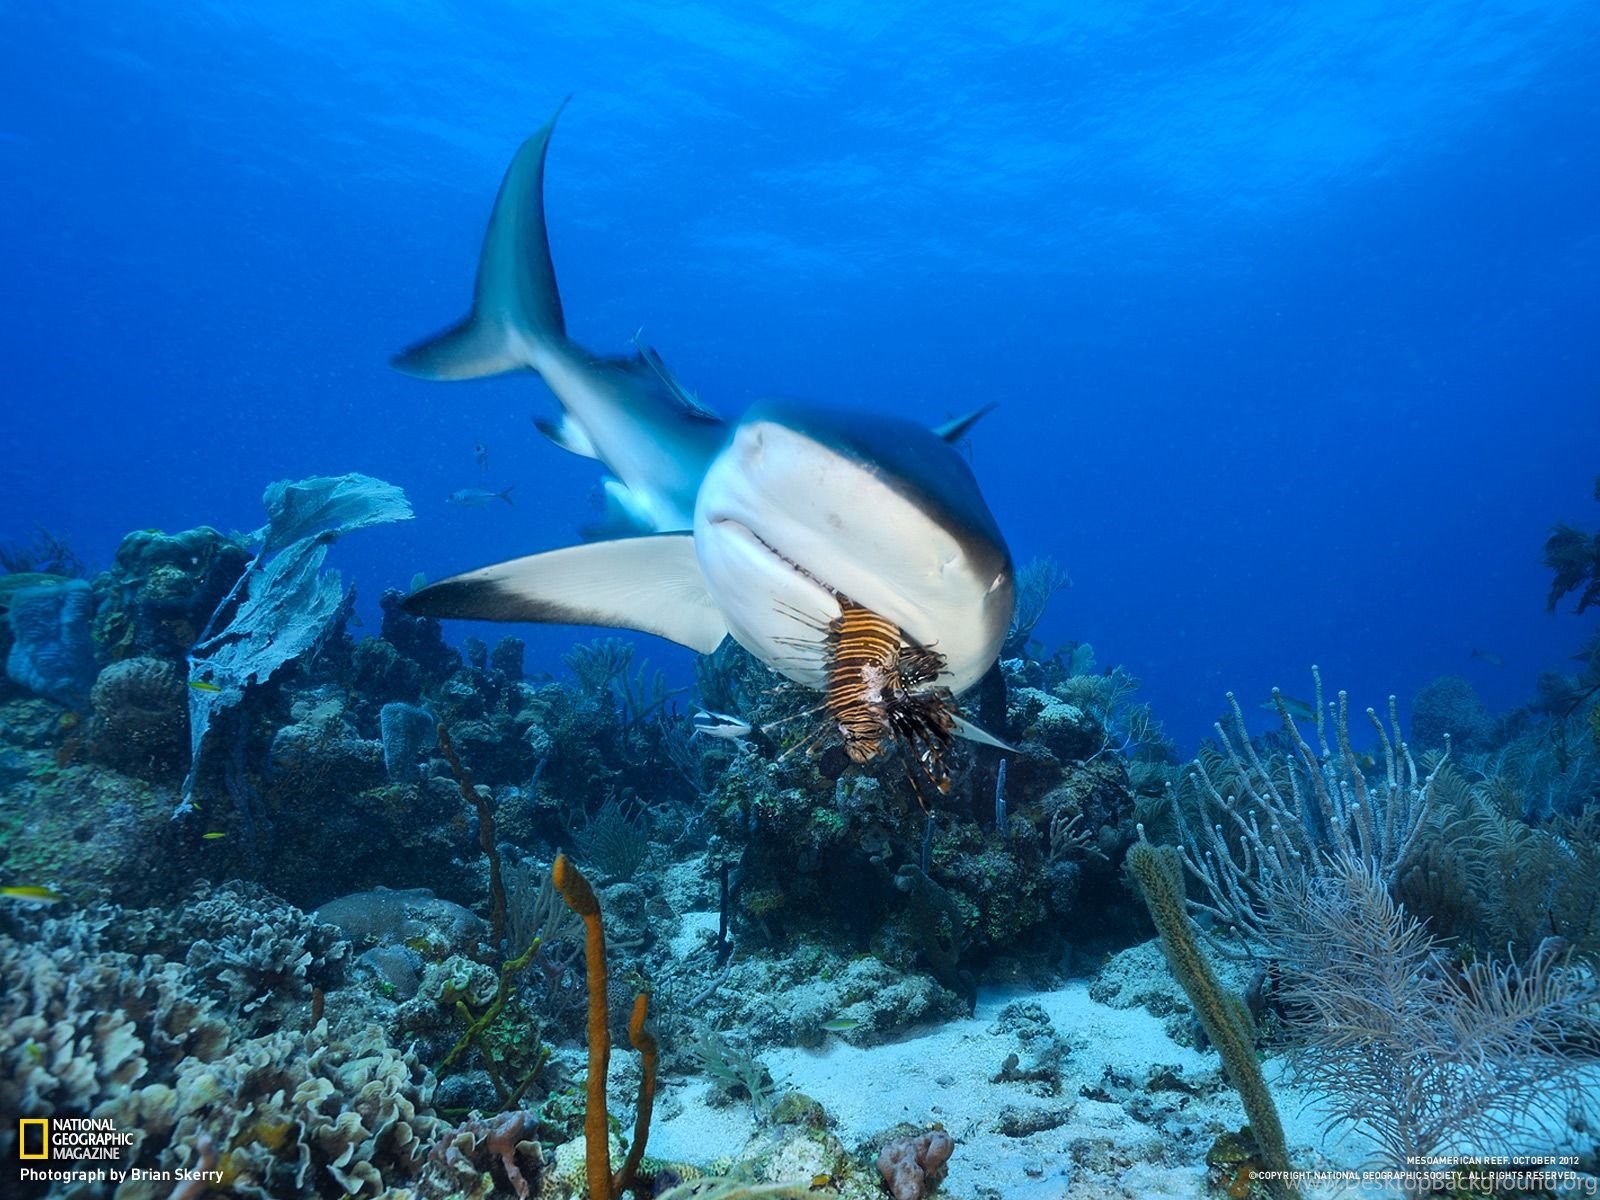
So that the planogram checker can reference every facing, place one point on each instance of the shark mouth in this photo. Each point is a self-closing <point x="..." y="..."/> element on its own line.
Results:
<point x="878" y="683"/>
<point x="737" y="526"/>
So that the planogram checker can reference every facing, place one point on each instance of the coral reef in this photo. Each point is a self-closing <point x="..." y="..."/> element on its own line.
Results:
<point x="427" y="1029"/>
<point x="319" y="757"/>
<point x="81" y="1026"/>
<point x="293" y="1114"/>
<point x="252" y="953"/>
<point x="486" y="1157"/>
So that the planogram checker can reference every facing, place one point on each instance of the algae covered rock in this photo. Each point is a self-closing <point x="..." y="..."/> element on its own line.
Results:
<point x="321" y="756"/>
<point x="162" y="589"/>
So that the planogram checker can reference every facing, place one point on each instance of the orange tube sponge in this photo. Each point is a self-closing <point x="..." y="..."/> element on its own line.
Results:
<point x="645" y="1043"/>
<point x="580" y="898"/>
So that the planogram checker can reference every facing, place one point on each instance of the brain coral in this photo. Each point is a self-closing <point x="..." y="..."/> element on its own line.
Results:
<point x="141" y="717"/>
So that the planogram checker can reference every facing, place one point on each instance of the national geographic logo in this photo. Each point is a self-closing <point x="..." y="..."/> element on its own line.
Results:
<point x="74" y="1139"/>
<point x="69" y="1145"/>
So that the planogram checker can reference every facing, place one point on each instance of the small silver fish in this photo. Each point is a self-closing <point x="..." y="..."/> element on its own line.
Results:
<point x="1489" y="657"/>
<point x="720" y="725"/>
<point x="1300" y="710"/>
<point x="477" y="497"/>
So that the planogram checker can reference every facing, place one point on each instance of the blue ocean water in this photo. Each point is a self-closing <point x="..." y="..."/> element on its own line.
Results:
<point x="1290" y="314"/>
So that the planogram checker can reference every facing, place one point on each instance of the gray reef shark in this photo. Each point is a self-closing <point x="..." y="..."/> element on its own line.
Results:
<point x="852" y="553"/>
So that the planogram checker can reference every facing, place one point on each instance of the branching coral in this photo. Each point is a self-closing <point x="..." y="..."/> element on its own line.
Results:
<point x="615" y="840"/>
<point x="1252" y="823"/>
<point x="1302" y="859"/>
<point x="46" y="553"/>
<point x="1574" y="557"/>
<point x="1038" y="580"/>
<point x="1428" y="1054"/>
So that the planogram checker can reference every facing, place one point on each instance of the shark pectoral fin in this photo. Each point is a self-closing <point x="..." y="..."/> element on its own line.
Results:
<point x="652" y="584"/>
<point x="977" y="733"/>
<point x="516" y="308"/>
<point x="567" y="434"/>
<point x="953" y="431"/>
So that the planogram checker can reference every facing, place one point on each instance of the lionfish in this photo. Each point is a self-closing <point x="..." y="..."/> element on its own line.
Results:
<point x="878" y="695"/>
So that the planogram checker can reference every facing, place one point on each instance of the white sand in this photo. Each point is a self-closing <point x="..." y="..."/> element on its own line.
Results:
<point x="945" y="1074"/>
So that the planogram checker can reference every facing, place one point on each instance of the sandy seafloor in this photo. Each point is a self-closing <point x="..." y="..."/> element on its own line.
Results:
<point x="946" y="1074"/>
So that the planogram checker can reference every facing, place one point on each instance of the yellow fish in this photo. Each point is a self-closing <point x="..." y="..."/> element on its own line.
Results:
<point x="38" y="895"/>
<point x="200" y="685"/>
<point x="211" y="837"/>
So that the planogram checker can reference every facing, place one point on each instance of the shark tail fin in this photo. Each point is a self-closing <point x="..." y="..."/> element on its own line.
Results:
<point x="516" y="307"/>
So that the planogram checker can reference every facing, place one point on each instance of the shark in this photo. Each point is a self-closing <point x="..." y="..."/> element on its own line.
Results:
<point x="791" y="529"/>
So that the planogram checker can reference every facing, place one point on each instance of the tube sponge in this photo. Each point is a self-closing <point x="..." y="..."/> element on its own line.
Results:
<point x="52" y="648"/>
<point x="1158" y="870"/>
<point x="408" y="733"/>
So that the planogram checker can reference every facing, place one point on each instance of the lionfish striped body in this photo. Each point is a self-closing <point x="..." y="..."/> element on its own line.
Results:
<point x="873" y="696"/>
